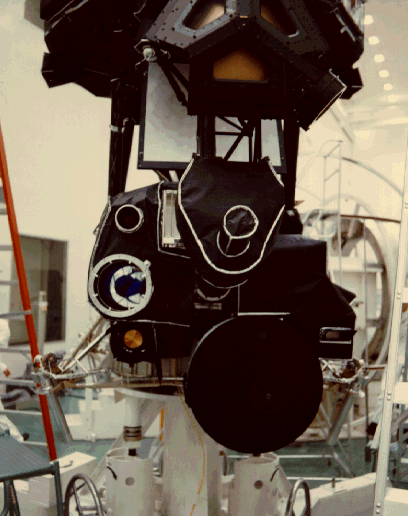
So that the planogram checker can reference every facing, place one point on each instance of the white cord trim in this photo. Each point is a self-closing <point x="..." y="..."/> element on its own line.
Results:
<point x="160" y="322"/>
<point x="100" y="229"/>
<point x="275" y="174"/>
<point x="232" y="237"/>
<point x="213" y="299"/>
<point x="230" y="255"/>
<point x="200" y="245"/>
<point x="138" y="225"/>
<point x="224" y="322"/>
<point x="208" y="333"/>
<point x="94" y="296"/>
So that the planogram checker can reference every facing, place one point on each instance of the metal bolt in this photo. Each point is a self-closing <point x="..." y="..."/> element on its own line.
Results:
<point x="149" y="54"/>
<point x="378" y="504"/>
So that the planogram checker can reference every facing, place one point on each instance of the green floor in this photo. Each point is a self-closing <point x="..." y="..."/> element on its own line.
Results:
<point x="317" y="467"/>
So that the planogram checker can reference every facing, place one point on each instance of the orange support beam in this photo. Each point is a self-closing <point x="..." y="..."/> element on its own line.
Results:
<point x="25" y="295"/>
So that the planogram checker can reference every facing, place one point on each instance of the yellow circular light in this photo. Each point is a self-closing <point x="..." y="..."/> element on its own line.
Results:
<point x="133" y="339"/>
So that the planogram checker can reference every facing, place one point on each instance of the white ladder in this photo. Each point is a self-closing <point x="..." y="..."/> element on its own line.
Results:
<point x="390" y="501"/>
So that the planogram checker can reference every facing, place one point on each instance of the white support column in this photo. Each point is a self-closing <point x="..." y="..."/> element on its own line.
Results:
<point x="183" y="466"/>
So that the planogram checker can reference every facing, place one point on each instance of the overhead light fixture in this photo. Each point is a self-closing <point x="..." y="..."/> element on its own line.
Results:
<point x="379" y="58"/>
<point x="388" y="86"/>
<point x="368" y="19"/>
<point x="403" y="120"/>
<point x="383" y="73"/>
<point x="373" y="40"/>
<point x="400" y="97"/>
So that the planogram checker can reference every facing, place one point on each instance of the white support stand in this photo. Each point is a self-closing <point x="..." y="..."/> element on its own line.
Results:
<point x="183" y="466"/>
<point x="260" y="487"/>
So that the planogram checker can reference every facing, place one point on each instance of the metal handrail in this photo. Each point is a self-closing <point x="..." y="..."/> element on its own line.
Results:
<point x="307" y="511"/>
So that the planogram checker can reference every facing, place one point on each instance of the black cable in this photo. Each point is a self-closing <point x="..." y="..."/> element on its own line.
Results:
<point x="176" y="72"/>
<point x="172" y="81"/>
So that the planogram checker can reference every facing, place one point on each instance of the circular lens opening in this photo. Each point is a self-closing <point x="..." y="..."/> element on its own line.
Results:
<point x="133" y="339"/>
<point x="128" y="218"/>
<point x="122" y="285"/>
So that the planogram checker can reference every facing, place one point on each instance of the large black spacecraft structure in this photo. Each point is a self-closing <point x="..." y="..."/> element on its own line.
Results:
<point x="209" y="266"/>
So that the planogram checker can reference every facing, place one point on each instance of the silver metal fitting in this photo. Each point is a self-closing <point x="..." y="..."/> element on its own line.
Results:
<point x="149" y="54"/>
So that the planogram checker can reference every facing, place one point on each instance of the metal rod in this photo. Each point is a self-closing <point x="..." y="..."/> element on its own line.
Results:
<point x="318" y="479"/>
<point x="123" y="383"/>
<point x="22" y="383"/>
<point x="24" y="292"/>
<point x="83" y="353"/>
<point x="365" y="293"/>
<point x="339" y="217"/>
<point x="246" y="131"/>
<point x="225" y="133"/>
<point x="232" y="124"/>
<point x="318" y="154"/>
<point x="30" y="413"/>
<point x="59" y="416"/>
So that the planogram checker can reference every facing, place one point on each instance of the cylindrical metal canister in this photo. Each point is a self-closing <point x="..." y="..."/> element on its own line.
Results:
<point x="129" y="484"/>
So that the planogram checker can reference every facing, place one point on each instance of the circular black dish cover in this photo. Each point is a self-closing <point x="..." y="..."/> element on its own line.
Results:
<point x="254" y="383"/>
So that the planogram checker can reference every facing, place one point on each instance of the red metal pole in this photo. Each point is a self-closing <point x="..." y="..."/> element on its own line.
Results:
<point x="25" y="296"/>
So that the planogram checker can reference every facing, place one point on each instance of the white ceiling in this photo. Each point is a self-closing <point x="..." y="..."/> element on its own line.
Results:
<point x="373" y="105"/>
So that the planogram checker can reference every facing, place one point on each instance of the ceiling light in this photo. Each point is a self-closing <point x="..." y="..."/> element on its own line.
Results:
<point x="400" y="97"/>
<point x="368" y="20"/>
<point x="379" y="58"/>
<point x="403" y="120"/>
<point x="373" y="40"/>
<point x="383" y="73"/>
<point x="388" y="86"/>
